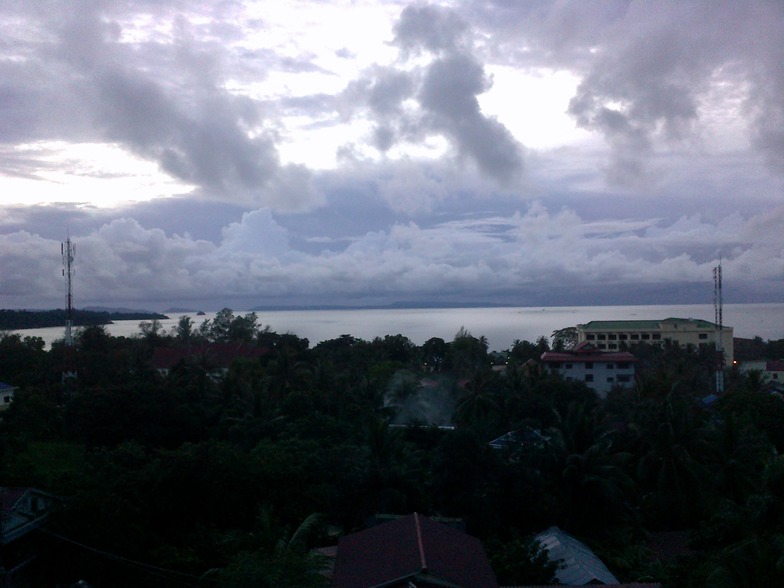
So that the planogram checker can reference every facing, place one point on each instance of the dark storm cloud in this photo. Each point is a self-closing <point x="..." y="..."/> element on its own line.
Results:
<point x="646" y="67"/>
<point x="446" y="91"/>
<point x="164" y="102"/>
<point x="431" y="28"/>
<point x="448" y="94"/>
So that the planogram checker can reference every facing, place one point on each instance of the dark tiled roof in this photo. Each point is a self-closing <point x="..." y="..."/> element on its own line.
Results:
<point x="411" y="548"/>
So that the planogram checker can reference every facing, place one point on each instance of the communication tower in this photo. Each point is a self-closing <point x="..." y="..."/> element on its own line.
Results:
<point x="68" y="251"/>
<point x="719" y="321"/>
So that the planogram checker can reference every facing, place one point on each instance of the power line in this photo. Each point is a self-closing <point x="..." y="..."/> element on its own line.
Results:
<point x="160" y="572"/>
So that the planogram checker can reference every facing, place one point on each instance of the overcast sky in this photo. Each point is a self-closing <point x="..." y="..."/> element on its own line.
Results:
<point x="229" y="153"/>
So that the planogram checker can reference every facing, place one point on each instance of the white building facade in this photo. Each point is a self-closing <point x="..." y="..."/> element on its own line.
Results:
<point x="600" y="370"/>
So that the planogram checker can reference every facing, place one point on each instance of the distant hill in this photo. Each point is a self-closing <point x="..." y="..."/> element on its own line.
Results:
<point x="12" y="320"/>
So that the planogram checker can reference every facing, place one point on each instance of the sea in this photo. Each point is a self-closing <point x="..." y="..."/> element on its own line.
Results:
<point x="501" y="326"/>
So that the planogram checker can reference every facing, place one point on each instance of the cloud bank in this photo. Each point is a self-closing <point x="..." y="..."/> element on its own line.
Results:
<point x="266" y="155"/>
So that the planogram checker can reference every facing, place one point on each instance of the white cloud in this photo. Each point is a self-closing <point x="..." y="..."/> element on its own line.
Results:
<point x="204" y="150"/>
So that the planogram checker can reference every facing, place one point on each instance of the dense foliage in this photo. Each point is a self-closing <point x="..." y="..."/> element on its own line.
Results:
<point x="197" y="480"/>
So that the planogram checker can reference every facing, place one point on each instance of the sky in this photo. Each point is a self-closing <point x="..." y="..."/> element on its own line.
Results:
<point x="243" y="154"/>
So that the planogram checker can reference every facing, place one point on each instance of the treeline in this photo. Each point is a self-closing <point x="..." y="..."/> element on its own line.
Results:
<point x="12" y="320"/>
<point x="201" y="480"/>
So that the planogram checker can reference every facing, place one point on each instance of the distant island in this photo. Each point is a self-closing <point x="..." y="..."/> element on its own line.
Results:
<point x="12" y="320"/>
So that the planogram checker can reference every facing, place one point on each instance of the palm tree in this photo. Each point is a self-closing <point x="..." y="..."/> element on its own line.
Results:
<point x="669" y="468"/>
<point x="285" y="373"/>
<point x="589" y="469"/>
<point x="737" y="454"/>
<point x="478" y="407"/>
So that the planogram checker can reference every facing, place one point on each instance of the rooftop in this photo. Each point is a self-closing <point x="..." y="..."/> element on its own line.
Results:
<point x="646" y="325"/>
<point x="412" y="549"/>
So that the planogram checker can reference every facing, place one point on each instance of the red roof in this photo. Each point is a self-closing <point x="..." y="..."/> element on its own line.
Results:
<point x="412" y="548"/>
<point x="587" y="352"/>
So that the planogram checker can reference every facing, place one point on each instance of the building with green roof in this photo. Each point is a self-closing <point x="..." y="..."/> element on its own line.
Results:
<point x="615" y="335"/>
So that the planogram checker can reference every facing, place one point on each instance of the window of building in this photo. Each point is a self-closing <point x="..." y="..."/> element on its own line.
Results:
<point x="612" y="337"/>
<point x="703" y="335"/>
<point x="645" y="336"/>
<point x="612" y="346"/>
<point x="555" y="365"/>
<point x="602" y="346"/>
<point x="610" y="379"/>
<point x="622" y="337"/>
<point x="601" y="337"/>
<point x="567" y="366"/>
<point x="775" y="377"/>
<point x="623" y="365"/>
<point x="589" y="365"/>
<point x="635" y="337"/>
<point x="624" y="379"/>
<point x="589" y="377"/>
<point x="610" y="366"/>
<point x="656" y="336"/>
<point x="590" y="337"/>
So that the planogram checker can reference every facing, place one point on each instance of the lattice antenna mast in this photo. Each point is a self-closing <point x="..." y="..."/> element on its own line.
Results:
<point x="718" y="313"/>
<point x="68" y="251"/>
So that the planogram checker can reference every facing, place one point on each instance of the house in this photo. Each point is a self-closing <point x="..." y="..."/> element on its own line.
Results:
<point x="579" y="565"/>
<point x="615" y="335"/>
<point x="772" y="371"/>
<point x="600" y="370"/>
<point x="22" y="511"/>
<point x="412" y="550"/>
<point x="216" y="358"/>
<point x="6" y="395"/>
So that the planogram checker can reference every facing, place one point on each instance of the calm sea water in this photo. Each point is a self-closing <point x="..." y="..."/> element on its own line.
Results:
<point x="501" y="326"/>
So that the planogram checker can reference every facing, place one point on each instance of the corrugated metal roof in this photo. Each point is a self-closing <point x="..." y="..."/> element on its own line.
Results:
<point x="580" y="564"/>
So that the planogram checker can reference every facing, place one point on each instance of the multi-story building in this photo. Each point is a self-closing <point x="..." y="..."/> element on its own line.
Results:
<point x="617" y="335"/>
<point x="600" y="370"/>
